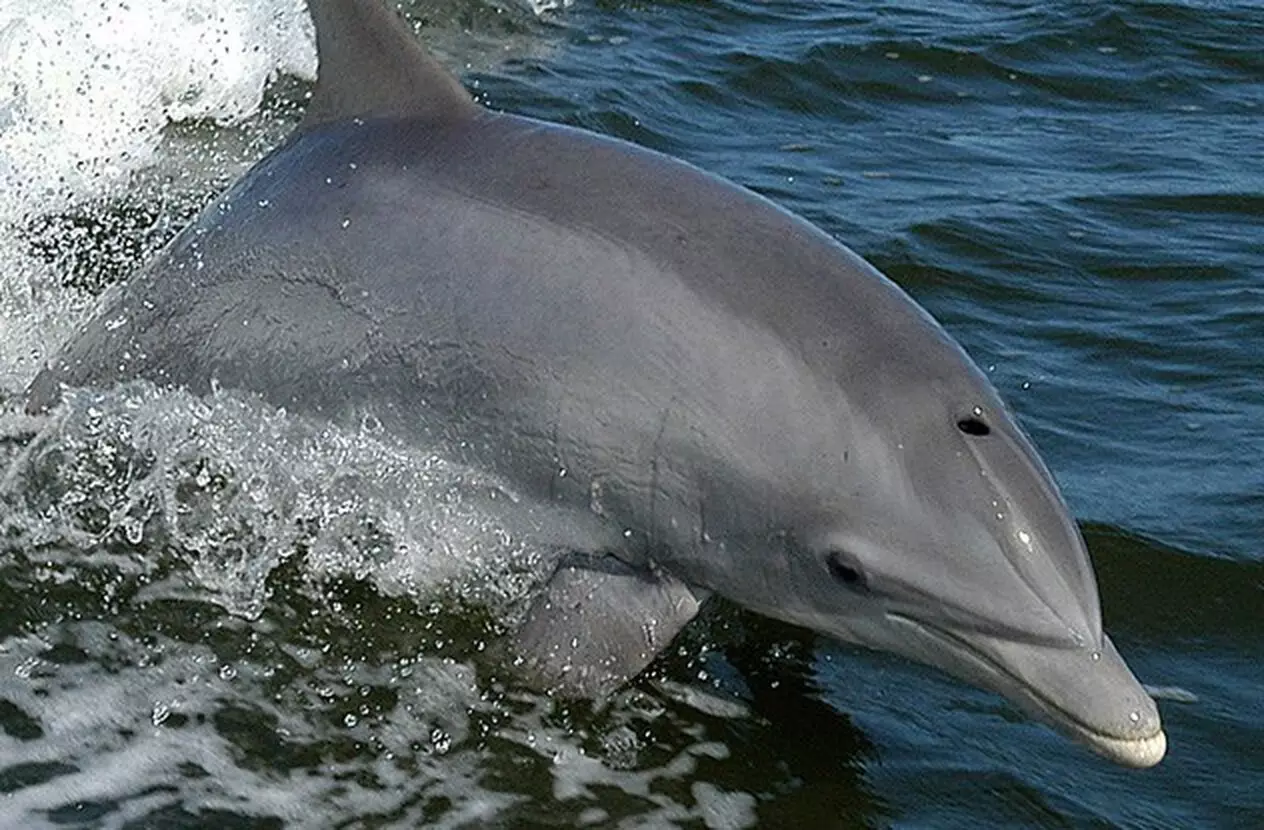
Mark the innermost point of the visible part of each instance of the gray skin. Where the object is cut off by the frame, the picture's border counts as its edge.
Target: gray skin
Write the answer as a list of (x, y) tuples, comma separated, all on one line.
[(730, 401)]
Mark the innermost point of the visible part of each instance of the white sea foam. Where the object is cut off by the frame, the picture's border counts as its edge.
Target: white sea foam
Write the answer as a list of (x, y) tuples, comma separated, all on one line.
[(86, 88), (232, 489)]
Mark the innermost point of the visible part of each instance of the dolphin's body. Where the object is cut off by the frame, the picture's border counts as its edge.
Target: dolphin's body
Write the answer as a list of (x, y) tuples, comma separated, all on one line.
[(737, 403)]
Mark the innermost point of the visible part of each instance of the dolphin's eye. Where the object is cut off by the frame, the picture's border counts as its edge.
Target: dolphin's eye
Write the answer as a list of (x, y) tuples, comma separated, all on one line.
[(845, 569), (974, 426)]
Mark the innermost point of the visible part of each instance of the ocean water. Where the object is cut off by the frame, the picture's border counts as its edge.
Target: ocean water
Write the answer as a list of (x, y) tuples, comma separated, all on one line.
[(217, 615)]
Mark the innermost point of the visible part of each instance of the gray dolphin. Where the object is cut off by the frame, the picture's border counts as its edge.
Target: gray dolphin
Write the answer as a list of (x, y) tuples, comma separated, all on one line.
[(736, 403)]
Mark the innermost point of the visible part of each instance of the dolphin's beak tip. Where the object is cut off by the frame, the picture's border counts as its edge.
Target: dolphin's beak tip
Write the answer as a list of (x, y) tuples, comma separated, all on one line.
[(1140, 747), (1138, 753)]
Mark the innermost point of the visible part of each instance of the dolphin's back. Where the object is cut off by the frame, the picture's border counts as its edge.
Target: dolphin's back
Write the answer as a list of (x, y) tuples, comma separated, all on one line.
[(500, 271), (503, 268), (406, 247)]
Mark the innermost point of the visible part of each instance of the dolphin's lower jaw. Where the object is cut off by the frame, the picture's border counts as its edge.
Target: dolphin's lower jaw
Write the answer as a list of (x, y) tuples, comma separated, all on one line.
[(1125, 725)]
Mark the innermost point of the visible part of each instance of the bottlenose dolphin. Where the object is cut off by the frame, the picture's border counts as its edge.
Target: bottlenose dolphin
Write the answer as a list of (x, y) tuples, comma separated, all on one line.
[(735, 402)]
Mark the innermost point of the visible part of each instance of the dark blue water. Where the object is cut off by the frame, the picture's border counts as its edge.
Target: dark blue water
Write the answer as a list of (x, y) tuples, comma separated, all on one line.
[(1075, 189)]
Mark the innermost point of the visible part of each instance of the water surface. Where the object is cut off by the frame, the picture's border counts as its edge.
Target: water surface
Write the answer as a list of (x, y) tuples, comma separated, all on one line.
[(217, 615)]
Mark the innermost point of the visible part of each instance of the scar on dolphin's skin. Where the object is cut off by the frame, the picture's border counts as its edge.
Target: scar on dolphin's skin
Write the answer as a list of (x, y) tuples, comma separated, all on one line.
[(758, 414)]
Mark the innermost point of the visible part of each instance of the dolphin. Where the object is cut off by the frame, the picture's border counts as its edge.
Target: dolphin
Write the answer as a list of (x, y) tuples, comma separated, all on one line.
[(732, 402)]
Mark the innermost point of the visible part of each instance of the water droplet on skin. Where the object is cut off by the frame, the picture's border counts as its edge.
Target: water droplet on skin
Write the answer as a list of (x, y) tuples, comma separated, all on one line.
[(350, 720), (1096, 656), (1135, 717)]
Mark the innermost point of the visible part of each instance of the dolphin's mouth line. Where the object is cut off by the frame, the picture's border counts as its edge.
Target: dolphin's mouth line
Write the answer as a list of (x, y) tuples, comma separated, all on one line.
[(1114, 745)]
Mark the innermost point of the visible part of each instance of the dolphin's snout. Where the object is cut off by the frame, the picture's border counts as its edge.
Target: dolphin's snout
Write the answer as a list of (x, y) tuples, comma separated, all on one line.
[(1088, 693)]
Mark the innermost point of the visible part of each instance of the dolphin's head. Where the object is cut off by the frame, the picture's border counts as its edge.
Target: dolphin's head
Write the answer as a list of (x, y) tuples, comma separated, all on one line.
[(938, 534)]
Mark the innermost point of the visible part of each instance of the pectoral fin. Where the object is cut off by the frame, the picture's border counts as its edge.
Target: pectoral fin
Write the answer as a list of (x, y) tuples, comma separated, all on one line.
[(598, 624)]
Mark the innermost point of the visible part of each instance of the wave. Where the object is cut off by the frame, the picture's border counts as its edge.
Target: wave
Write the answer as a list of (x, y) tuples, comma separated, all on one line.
[(1157, 592)]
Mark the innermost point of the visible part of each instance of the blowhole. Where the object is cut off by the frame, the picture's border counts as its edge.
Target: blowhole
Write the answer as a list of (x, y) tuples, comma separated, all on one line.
[(974, 426)]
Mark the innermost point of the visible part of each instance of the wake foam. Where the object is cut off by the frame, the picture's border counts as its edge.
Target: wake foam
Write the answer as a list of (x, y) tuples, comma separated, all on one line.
[(87, 88), (229, 490)]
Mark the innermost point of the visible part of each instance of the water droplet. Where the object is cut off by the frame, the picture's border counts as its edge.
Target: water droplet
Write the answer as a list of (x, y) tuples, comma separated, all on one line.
[(350, 720), (1095, 656), (134, 531), (160, 714), (1135, 717)]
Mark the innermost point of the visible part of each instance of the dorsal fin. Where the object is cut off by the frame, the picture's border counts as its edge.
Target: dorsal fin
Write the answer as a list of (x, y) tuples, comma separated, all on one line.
[(370, 65)]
